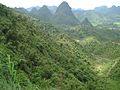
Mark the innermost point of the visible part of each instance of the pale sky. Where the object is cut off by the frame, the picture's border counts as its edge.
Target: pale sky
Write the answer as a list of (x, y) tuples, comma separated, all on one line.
[(84, 4)]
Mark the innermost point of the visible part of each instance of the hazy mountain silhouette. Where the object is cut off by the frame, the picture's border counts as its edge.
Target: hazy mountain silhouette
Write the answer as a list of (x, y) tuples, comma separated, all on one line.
[(21, 10), (64, 15), (44, 13), (52, 8), (105, 10), (86, 22), (34, 10)]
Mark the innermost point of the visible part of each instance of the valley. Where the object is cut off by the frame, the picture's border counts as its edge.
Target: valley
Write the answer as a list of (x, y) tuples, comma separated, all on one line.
[(61, 49)]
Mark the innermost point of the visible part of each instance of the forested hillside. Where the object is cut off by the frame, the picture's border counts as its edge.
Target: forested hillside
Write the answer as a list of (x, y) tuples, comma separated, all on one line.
[(35, 55), (64, 14), (31, 59)]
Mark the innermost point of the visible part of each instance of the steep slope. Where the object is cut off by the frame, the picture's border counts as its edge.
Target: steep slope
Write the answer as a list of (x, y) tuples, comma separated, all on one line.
[(105, 10), (33, 11), (64, 15), (86, 23), (31, 59), (30, 8), (52, 8), (21, 10), (44, 14), (100, 15), (35, 55), (102, 9), (94, 17)]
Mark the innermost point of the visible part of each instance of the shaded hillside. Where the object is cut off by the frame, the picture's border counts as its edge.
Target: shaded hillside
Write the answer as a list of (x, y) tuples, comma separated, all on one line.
[(94, 18), (39, 56), (52, 8), (31, 58), (44, 13), (105, 10), (33, 12), (21, 10), (100, 15), (64, 15), (86, 23)]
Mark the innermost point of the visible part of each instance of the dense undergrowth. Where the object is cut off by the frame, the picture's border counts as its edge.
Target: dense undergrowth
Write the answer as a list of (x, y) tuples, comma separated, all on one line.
[(34, 56)]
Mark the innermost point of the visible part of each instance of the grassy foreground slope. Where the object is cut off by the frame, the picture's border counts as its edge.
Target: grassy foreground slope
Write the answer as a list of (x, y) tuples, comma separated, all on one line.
[(101, 45), (30, 59)]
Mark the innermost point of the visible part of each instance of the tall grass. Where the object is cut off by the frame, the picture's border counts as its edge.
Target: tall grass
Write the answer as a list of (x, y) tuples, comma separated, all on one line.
[(8, 80)]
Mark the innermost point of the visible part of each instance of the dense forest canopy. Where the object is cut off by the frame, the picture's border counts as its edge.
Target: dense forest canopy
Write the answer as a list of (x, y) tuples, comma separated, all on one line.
[(59, 50)]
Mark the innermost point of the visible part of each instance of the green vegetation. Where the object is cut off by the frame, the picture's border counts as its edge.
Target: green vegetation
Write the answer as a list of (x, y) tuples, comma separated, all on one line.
[(41, 56), (64, 15), (32, 59), (43, 14)]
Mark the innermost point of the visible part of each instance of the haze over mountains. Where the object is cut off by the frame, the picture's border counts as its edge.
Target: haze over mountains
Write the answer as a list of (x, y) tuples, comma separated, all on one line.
[(43, 13), (64, 14), (59, 48)]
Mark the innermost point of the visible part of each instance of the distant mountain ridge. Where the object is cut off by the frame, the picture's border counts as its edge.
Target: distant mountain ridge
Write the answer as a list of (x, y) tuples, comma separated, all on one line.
[(86, 23), (64, 15), (105, 10), (44, 13)]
